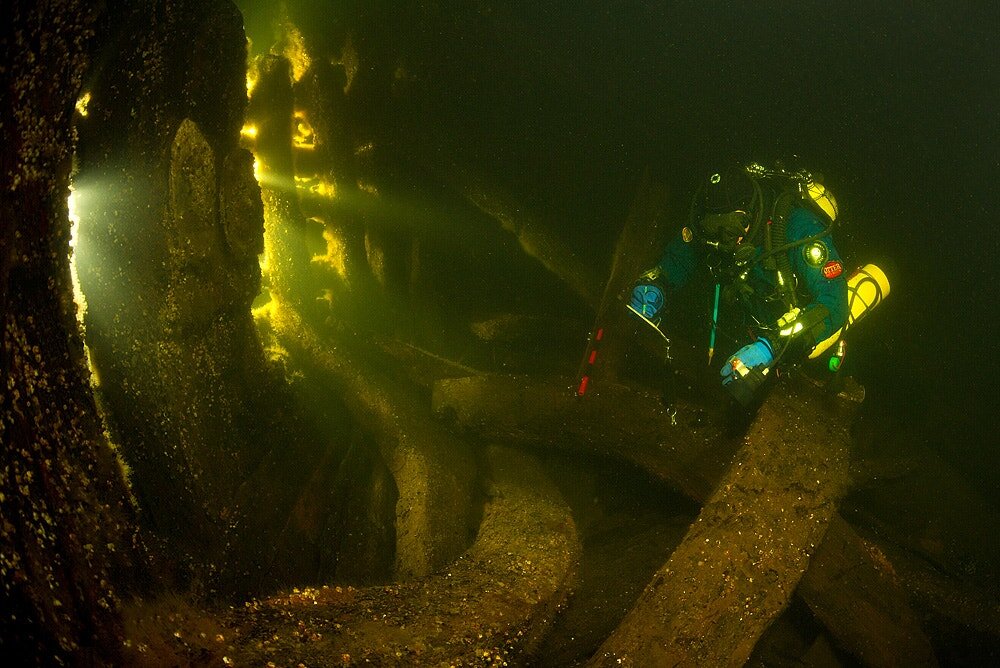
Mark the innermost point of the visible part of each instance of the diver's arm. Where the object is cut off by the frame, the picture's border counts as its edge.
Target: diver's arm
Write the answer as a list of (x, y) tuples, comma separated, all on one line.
[(678, 261), (671, 272), (819, 266)]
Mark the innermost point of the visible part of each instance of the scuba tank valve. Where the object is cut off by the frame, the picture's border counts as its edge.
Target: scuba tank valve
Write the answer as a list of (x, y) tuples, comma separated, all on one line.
[(837, 358)]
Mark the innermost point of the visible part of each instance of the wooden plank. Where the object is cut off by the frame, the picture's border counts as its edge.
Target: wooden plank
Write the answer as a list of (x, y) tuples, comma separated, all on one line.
[(687, 450), (489, 607), (641, 239), (684, 448), (434, 472), (743, 557), (852, 588)]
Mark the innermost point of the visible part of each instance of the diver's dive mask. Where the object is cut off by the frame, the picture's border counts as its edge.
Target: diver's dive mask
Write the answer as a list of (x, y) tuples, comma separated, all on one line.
[(723, 232)]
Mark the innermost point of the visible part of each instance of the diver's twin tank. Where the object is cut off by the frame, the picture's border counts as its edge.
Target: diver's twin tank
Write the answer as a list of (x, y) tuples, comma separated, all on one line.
[(866, 287), (820, 196)]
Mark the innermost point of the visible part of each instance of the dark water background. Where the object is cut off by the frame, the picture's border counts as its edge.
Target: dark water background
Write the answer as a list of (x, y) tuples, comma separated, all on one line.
[(896, 103)]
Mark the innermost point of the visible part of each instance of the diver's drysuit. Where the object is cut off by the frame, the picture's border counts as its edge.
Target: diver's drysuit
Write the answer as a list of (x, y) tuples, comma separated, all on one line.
[(769, 250), (816, 271)]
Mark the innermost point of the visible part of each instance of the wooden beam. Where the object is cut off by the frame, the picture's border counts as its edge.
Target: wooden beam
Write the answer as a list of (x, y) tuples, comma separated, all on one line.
[(743, 557), (689, 451)]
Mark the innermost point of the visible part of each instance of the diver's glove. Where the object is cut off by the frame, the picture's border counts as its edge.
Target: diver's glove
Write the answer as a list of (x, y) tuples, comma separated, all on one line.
[(648, 296), (747, 358)]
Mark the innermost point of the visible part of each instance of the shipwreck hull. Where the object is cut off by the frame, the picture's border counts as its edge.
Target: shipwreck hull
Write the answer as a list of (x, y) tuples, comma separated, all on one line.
[(296, 432)]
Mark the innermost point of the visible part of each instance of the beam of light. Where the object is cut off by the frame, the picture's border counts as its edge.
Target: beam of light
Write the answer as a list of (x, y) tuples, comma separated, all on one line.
[(251, 83), (265, 300), (249, 131), (73, 212), (264, 258), (266, 177), (72, 208), (74, 235), (95, 378), (81, 104)]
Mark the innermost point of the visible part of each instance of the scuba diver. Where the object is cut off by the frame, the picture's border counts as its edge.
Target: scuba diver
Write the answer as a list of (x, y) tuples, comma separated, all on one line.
[(765, 236)]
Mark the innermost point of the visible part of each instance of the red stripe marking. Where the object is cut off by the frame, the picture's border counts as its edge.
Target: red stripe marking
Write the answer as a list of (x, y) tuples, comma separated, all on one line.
[(600, 334), (593, 356), (583, 385)]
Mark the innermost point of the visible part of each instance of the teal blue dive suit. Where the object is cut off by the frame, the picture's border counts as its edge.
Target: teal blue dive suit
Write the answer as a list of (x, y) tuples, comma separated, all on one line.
[(791, 297)]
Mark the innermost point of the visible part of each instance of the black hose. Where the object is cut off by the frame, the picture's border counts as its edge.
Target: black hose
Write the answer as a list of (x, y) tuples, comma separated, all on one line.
[(780, 211), (757, 206), (794, 244)]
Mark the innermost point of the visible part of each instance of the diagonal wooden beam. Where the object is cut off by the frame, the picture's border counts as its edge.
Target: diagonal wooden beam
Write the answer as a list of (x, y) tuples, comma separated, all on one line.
[(687, 450)]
